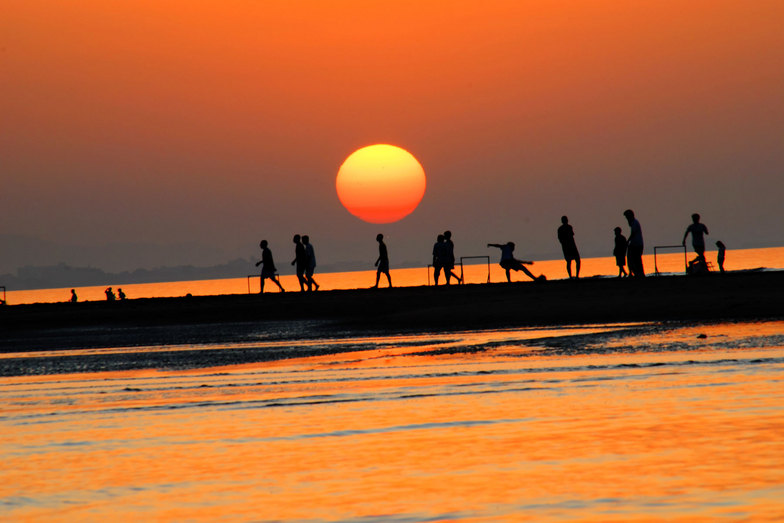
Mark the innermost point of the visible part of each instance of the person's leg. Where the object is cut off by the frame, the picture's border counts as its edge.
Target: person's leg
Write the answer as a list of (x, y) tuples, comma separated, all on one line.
[(508, 276), (277, 282), (569, 267), (577, 267), (436, 273), (378, 276), (525, 270), (389, 278), (262, 285)]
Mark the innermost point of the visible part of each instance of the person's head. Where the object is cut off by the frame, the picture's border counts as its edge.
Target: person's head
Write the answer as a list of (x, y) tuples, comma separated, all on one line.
[(617, 231), (564, 220), (296, 238), (720, 244), (73, 291), (629, 214), (510, 245), (440, 238), (695, 218), (306, 239), (447, 234), (379, 237), (263, 244)]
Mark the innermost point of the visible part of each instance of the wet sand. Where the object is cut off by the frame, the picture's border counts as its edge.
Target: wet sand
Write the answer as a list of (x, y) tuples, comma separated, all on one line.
[(295, 315)]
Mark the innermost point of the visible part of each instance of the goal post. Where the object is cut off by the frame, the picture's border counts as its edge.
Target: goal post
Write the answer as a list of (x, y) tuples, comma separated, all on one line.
[(657, 257)]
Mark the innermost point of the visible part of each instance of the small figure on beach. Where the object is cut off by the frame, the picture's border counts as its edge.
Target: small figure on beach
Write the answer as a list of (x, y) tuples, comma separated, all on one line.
[(636, 245), (301, 260), (74, 297), (439, 255), (120, 293), (569, 247), (383, 261), (109, 294), (620, 252), (311, 266), (720, 256), (268, 267), (697, 230), (449, 261), (510, 263)]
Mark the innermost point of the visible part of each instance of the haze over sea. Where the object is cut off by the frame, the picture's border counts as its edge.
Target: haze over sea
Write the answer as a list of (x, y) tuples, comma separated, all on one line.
[(670, 261)]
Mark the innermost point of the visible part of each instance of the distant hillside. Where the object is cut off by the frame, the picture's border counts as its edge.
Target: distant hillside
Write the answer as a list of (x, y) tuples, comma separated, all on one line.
[(63, 275)]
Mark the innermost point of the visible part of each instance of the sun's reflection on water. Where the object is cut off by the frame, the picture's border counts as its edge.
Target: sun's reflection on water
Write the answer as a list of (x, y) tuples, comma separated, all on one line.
[(613, 422)]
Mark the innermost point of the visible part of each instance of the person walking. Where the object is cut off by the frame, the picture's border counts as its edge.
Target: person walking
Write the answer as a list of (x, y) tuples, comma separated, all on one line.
[(449, 259), (268, 267), (383, 261), (301, 261), (311, 265)]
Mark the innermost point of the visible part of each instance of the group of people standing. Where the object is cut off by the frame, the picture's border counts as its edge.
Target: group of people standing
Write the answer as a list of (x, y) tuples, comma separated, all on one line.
[(629, 251)]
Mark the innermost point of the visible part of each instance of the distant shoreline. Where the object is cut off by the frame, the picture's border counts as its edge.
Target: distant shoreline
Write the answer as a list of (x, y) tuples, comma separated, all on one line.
[(209, 319)]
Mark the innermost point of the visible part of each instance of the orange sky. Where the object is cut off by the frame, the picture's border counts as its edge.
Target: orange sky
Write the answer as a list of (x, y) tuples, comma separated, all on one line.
[(220, 122)]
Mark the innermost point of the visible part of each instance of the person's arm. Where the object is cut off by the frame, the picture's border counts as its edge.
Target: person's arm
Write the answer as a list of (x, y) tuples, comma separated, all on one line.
[(495, 245), (685, 234)]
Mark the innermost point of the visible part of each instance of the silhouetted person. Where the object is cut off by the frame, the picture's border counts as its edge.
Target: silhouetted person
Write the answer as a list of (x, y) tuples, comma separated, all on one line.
[(109, 294), (120, 293), (439, 255), (449, 261), (510, 263), (311, 267), (383, 260), (636, 245), (301, 259), (720, 257), (566, 237), (697, 230), (74, 298), (268, 267), (620, 251)]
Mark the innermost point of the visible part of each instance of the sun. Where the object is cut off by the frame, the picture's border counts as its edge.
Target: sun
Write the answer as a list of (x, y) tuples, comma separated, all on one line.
[(380, 183)]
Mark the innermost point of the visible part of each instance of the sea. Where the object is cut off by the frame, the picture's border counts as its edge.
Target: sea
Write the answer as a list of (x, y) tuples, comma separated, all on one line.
[(474, 269), (618, 422)]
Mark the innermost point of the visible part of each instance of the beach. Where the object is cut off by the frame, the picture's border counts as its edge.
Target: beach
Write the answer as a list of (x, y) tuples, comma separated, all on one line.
[(150, 321)]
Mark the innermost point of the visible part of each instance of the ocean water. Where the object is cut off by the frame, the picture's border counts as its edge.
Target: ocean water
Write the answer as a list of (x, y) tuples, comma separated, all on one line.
[(670, 261), (618, 422)]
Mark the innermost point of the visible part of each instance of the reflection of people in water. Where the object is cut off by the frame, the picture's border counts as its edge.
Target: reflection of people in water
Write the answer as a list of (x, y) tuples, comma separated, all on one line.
[(109, 294), (74, 298), (449, 259), (268, 268), (636, 245), (620, 252), (311, 265), (510, 263), (720, 257), (301, 259), (439, 255), (120, 293), (566, 237), (383, 260), (697, 230)]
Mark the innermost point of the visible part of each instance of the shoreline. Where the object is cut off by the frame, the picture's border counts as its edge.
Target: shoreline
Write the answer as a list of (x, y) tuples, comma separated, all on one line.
[(740, 295)]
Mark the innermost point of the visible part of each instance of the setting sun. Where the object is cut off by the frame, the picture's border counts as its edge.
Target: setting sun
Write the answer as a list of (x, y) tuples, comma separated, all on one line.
[(380, 183)]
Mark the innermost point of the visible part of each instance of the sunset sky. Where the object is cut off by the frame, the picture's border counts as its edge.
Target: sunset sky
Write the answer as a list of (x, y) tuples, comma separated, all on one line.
[(149, 133)]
